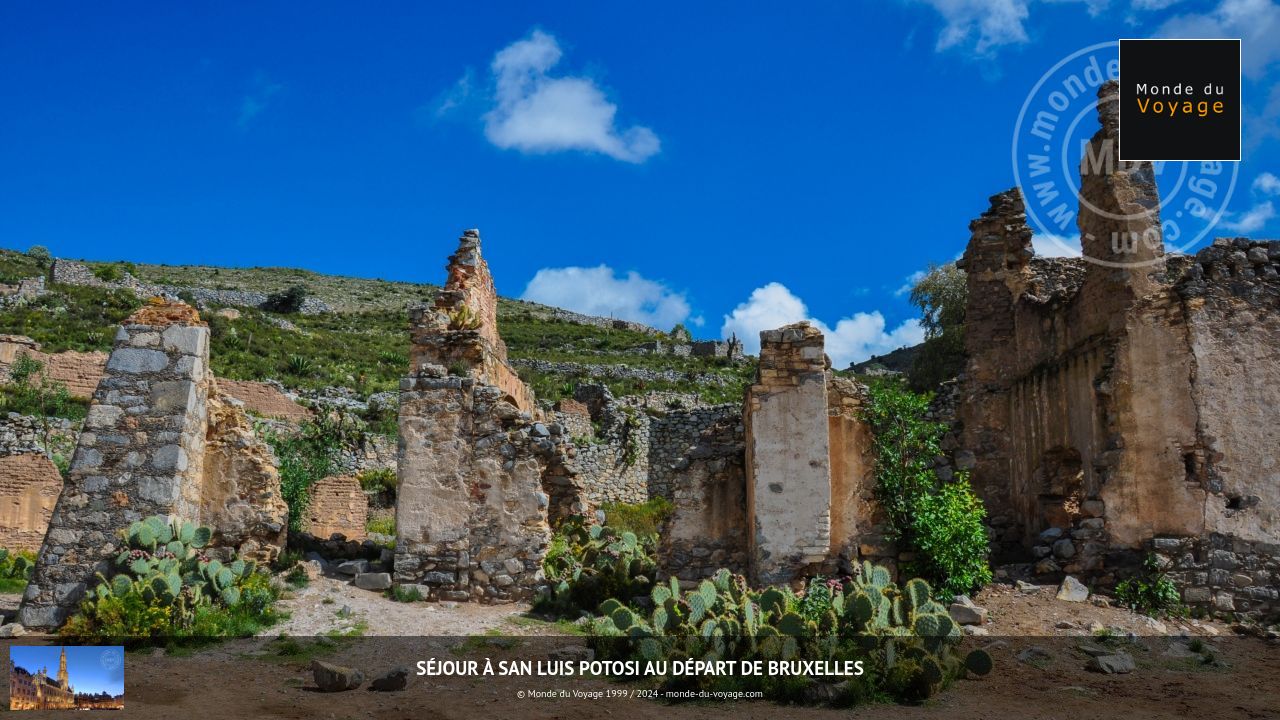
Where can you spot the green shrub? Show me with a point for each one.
(941, 522)
(164, 584)
(107, 273)
(941, 295)
(287, 301)
(15, 569)
(309, 455)
(644, 519)
(378, 480)
(400, 593)
(301, 366)
(41, 255)
(1150, 591)
(30, 391)
(382, 525)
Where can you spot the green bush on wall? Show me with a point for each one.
(941, 522)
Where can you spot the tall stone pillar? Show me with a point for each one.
(1119, 218)
(140, 454)
(996, 263)
(788, 457)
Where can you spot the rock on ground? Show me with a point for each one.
(373, 581)
(335, 678)
(392, 680)
(1072, 590)
(1117, 664)
(964, 612)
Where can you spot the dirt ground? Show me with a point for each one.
(260, 678)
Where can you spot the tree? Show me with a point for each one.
(680, 333)
(286, 301)
(941, 296)
(41, 255)
(32, 392)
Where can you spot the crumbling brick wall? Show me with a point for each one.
(79, 371)
(1125, 404)
(264, 400)
(338, 505)
(460, 332)
(29, 488)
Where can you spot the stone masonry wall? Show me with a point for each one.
(787, 455)
(706, 529)
(140, 454)
(473, 506)
(1113, 409)
(612, 457)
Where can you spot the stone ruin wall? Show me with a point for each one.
(1112, 410)
(461, 331)
(338, 506)
(809, 469)
(706, 530)
(481, 478)
(611, 446)
(29, 488)
(787, 459)
(158, 440)
(477, 483)
(79, 371)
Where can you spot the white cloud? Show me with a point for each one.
(1267, 184)
(534, 112)
(984, 24)
(1256, 217)
(256, 100)
(1154, 4)
(600, 291)
(853, 339)
(1056, 245)
(910, 283)
(1252, 220)
(456, 96)
(1255, 22)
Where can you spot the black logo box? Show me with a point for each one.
(1180, 63)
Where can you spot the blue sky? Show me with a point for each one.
(87, 670)
(728, 165)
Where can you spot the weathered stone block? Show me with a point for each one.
(137, 361)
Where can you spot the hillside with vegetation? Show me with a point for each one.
(363, 344)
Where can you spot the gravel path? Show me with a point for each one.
(331, 604)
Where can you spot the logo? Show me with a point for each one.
(112, 658)
(1051, 141)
